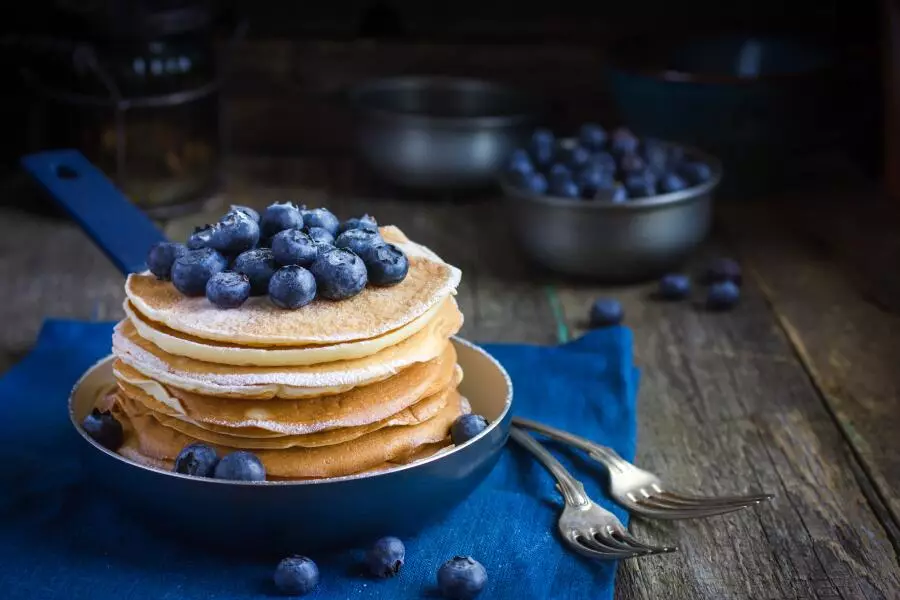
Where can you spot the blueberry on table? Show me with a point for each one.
(623, 141)
(292, 287)
(640, 185)
(227, 289)
(247, 211)
(296, 576)
(461, 578)
(358, 240)
(386, 557)
(293, 247)
(619, 194)
(199, 238)
(723, 295)
(235, 233)
(723, 269)
(695, 172)
(565, 188)
(466, 427)
(535, 183)
(259, 266)
(197, 459)
(674, 287)
(278, 217)
(519, 162)
(321, 217)
(671, 182)
(162, 256)
(104, 429)
(606, 312)
(193, 270)
(339, 274)
(240, 466)
(386, 264)
(320, 235)
(592, 136)
(358, 223)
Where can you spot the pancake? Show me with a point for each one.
(235, 381)
(278, 416)
(373, 312)
(418, 413)
(147, 439)
(228, 354)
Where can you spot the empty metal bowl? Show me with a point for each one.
(614, 242)
(439, 132)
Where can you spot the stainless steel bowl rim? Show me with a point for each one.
(209, 481)
(672, 199)
(358, 92)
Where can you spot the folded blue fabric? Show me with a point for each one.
(61, 539)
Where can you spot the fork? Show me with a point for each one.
(586, 528)
(641, 492)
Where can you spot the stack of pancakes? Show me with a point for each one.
(330, 389)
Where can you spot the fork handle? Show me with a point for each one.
(606, 455)
(571, 489)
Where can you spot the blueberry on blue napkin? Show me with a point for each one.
(60, 539)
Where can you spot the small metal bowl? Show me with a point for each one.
(279, 517)
(439, 132)
(620, 242)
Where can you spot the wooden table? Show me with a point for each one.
(795, 392)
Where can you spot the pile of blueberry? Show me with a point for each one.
(597, 165)
(290, 253)
(460, 578)
(723, 277)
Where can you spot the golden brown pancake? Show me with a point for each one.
(277, 416)
(371, 313)
(235, 381)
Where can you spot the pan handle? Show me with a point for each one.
(116, 225)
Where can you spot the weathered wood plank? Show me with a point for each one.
(726, 407)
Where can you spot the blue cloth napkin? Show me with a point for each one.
(61, 539)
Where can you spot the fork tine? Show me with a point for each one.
(721, 500)
(607, 538)
(655, 510)
(630, 539)
(612, 553)
(662, 501)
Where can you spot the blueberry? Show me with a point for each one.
(543, 137)
(593, 179)
(558, 172)
(320, 235)
(292, 287)
(385, 558)
(199, 238)
(519, 162)
(358, 240)
(293, 247)
(620, 194)
(623, 141)
(247, 211)
(535, 183)
(278, 217)
(193, 269)
(542, 147)
(565, 188)
(671, 182)
(235, 233)
(386, 264)
(161, 257)
(674, 287)
(466, 427)
(577, 157)
(296, 576)
(321, 217)
(605, 161)
(640, 185)
(592, 136)
(461, 578)
(606, 312)
(339, 274)
(197, 459)
(631, 163)
(357, 223)
(104, 429)
(723, 295)
(240, 466)
(227, 289)
(723, 269)
(259, 266)
(656, 155)
(695, 172)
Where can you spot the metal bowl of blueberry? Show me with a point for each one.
(609, 206)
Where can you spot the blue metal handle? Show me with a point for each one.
(116, 225)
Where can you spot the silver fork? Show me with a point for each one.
(641, 492)
(587, 528)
